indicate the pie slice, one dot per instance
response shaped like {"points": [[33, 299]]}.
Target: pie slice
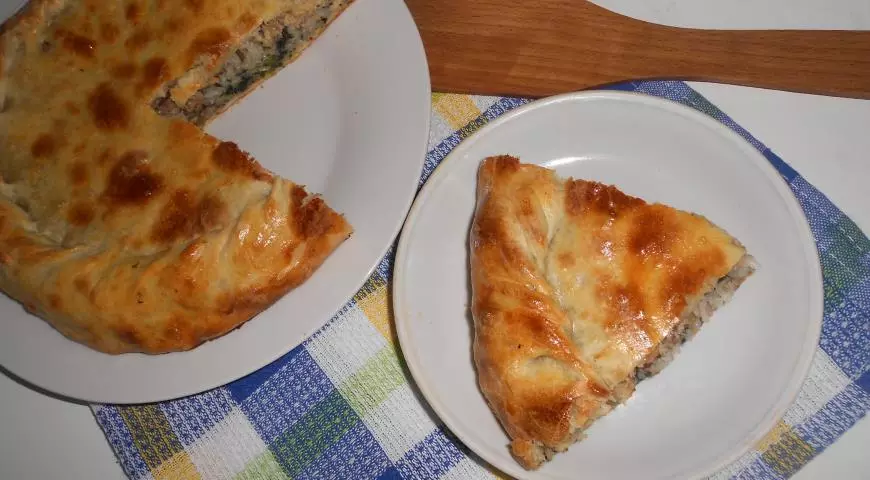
{"points": [[578, 292], [130, 229]]}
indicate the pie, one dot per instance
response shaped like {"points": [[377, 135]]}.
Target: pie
{"points": [[122, 223], [579, 291]]}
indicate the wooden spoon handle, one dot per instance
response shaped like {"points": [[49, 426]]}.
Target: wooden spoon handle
{"points": [[546, 47]]}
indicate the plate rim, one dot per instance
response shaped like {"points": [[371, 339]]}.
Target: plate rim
{"points": [[801, 367], [43, 385]]}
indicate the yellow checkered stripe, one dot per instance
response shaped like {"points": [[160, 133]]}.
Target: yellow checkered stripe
{"points": [[784, 451], [457, 110], [157, 443]]}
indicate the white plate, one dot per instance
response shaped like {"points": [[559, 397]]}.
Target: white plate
{"points": [[350, 120], [727, 387]]}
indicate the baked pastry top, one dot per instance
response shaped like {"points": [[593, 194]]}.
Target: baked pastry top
{"points": [[577, 288], [126, 230]]}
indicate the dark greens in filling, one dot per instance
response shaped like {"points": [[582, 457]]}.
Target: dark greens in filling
{"points": [[264, 53]]}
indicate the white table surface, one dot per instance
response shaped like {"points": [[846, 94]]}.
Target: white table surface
{"points": [[826, 139]]}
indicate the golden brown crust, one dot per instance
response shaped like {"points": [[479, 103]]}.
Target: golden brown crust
{"points": [[529, 370], [574, 285], [125, 230]]}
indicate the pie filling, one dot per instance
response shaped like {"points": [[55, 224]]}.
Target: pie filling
{"points": [[690, 322], [263, 53]]}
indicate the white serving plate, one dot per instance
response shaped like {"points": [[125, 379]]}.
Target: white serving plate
{"points": [[349, 119], [727, 387]]}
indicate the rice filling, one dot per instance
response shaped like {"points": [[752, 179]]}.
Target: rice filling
{"points": [[694, 318], [263, 53]]}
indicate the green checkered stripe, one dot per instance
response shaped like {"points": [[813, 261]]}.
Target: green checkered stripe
{"points": [[341, 405]]}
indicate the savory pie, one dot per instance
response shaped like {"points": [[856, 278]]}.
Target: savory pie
{"points": [[580, 291], [121, 222]]}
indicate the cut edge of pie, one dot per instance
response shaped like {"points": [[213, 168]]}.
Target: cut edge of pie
{"points": [[537, 377]]}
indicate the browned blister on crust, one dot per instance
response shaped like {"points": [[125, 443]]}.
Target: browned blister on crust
{"points": [[126, 230], [575, 287]]}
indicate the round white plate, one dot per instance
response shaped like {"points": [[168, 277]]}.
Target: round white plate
{"points": [[349, 119], [727, 387]]}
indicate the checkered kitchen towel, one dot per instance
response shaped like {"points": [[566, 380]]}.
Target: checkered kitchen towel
{"points": [[340, 406]]}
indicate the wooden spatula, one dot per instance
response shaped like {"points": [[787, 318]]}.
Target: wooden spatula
{"points": [[544, 47]]}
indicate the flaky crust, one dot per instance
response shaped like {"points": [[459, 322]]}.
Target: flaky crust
{"points": [[574, 286], [125, 230], [528, 368]]}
